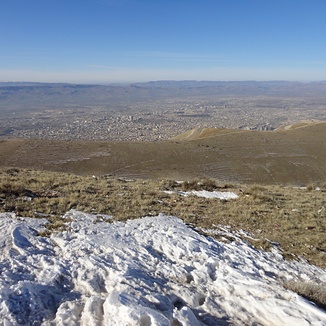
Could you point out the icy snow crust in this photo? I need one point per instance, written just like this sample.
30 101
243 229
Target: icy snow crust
150 271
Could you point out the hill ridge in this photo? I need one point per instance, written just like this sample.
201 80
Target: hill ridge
202 132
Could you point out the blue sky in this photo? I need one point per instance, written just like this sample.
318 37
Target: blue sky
91 41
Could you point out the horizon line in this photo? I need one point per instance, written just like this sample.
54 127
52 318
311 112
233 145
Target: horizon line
164 80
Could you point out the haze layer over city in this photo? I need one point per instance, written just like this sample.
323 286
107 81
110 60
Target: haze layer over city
153 111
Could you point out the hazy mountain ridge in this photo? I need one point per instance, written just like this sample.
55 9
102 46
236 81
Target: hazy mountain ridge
207 83
21 95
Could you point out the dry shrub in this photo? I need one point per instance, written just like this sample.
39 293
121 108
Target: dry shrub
323 186
259 193
190 185
311 187
12 171
208 184
12 190
169 184
55 224
228 186
309 290
205 184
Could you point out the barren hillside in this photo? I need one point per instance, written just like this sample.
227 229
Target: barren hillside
294 156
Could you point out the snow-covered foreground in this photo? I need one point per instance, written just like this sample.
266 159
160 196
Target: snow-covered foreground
150 271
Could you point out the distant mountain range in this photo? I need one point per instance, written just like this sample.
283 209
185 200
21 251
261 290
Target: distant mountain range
195 83
171 83
30 95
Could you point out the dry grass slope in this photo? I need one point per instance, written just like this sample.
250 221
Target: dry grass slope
295 156
293 217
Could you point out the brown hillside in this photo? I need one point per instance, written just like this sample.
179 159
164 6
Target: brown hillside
294 156
201 133
301 124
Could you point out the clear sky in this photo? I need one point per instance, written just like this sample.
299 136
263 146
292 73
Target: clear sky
90 41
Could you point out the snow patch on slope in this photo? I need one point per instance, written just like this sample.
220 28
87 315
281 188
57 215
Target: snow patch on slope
150 271
225 195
